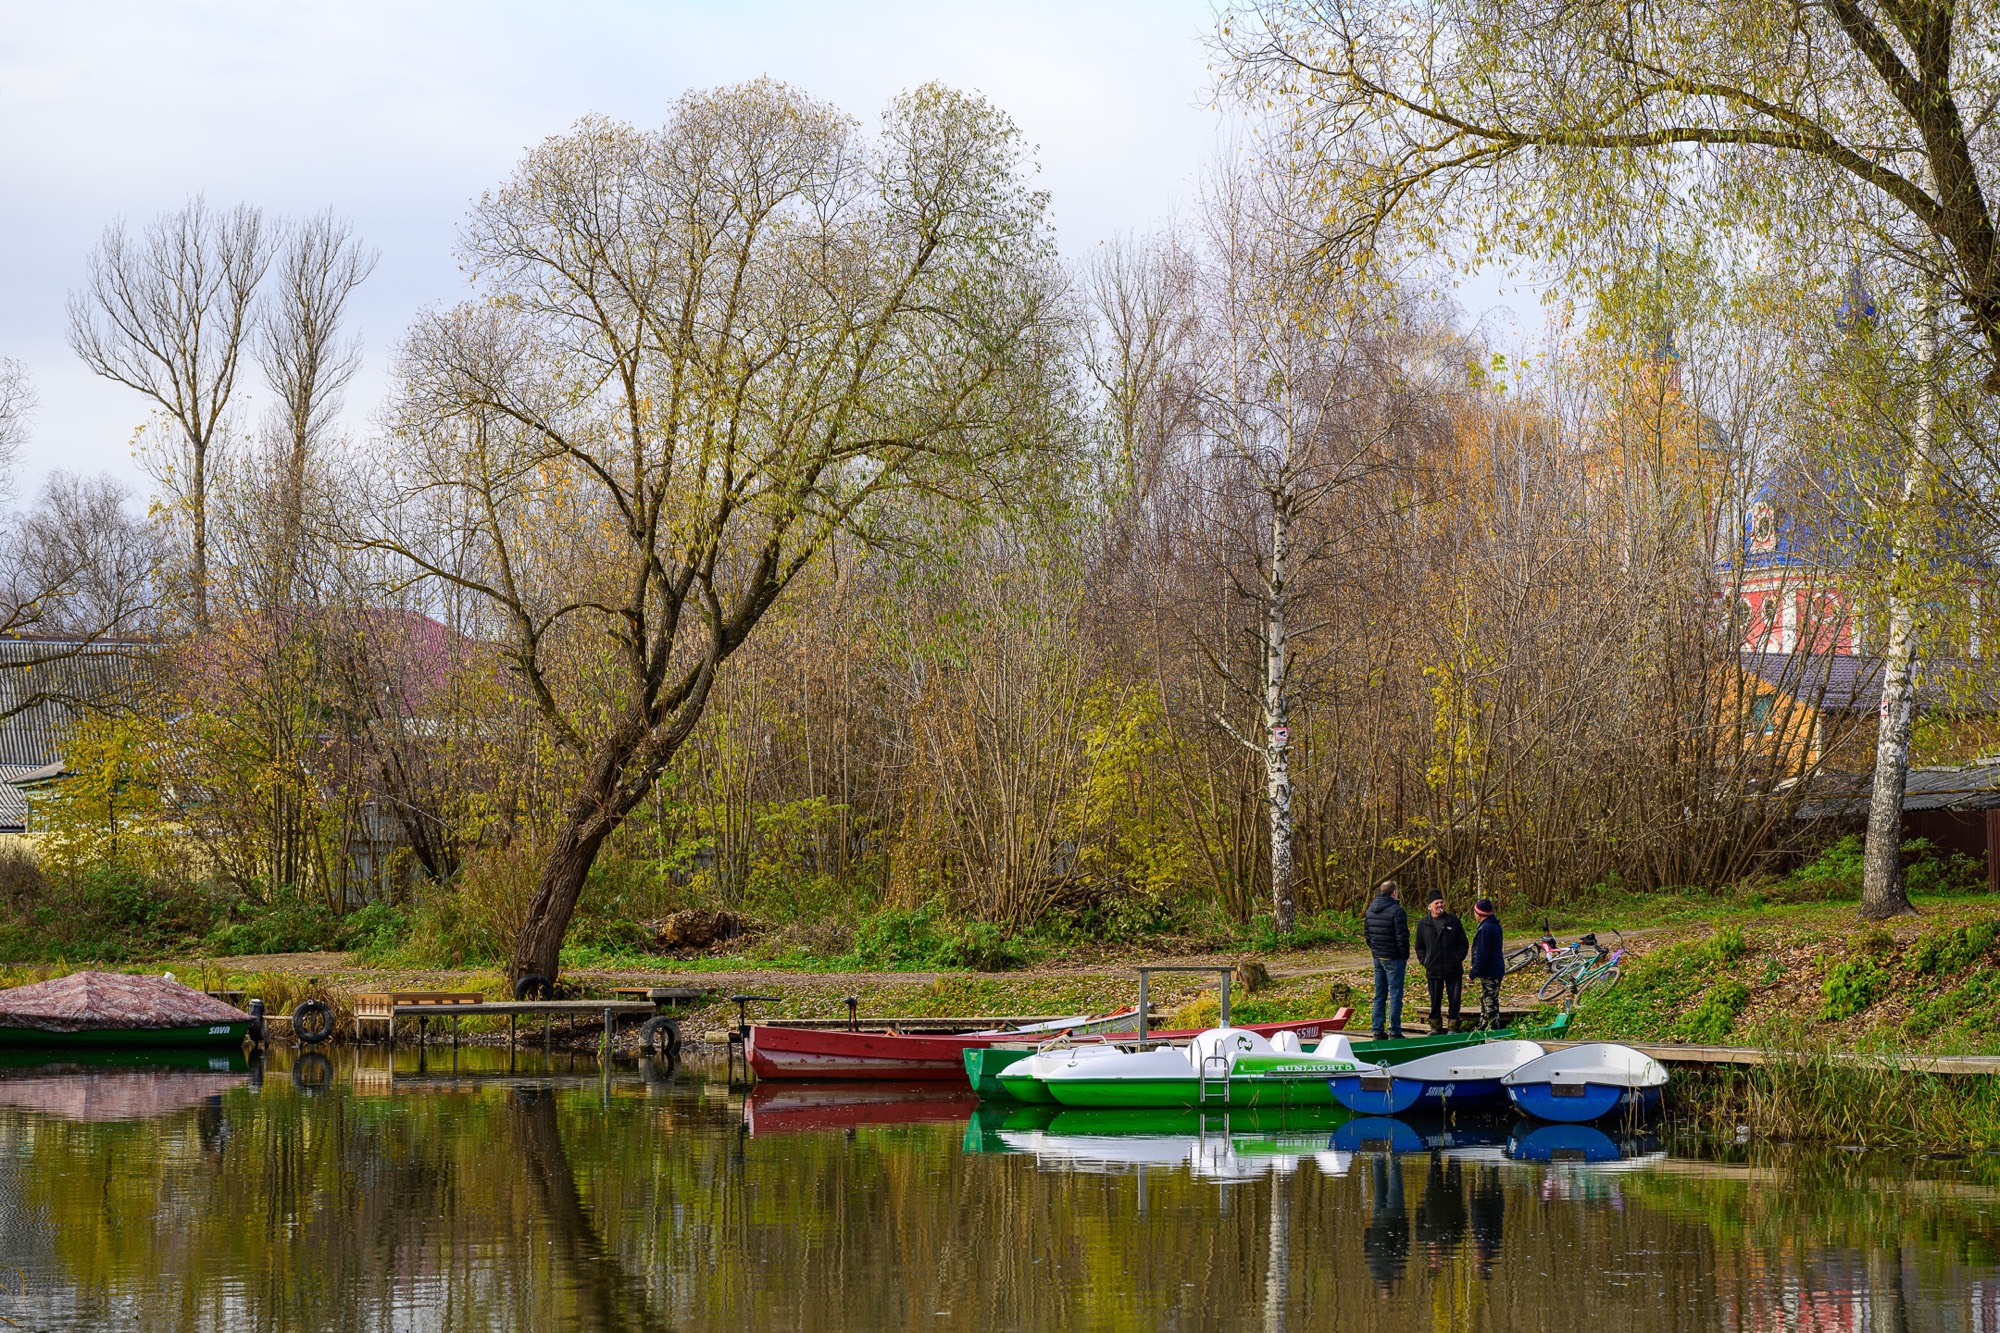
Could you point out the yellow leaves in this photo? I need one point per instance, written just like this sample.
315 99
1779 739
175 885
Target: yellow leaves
1458 750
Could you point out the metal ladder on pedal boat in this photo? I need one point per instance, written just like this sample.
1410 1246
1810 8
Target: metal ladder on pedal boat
1201 1061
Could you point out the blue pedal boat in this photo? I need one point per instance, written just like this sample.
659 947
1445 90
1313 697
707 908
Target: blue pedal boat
1587 1082
1448 1080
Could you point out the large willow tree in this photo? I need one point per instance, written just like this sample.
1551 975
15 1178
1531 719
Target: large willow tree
1560 128
698 353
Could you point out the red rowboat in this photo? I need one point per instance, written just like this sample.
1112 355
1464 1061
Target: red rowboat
805 1053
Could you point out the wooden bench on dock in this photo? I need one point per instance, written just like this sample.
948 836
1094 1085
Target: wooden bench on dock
385 1007
666 997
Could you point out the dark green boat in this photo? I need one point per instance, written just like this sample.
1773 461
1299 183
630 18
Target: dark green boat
982 1069
203 1034
116 1011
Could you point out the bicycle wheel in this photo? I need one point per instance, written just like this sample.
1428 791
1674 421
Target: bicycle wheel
1599 983
1521 957
1559 984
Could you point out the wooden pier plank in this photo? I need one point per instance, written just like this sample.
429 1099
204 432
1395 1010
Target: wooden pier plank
502 1008
1673 1053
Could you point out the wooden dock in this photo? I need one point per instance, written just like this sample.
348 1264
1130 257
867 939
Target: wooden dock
1674 1053
390 1008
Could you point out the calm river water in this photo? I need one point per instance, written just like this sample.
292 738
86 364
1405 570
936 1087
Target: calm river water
460 1195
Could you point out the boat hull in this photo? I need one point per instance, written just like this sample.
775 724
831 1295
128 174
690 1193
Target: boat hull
200 1034
985 1066
1577 1103
1274 1082
781 1053
803 1053
1373 1094
1290 1082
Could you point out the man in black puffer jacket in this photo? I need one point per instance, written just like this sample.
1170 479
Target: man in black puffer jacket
1441 946
1386 927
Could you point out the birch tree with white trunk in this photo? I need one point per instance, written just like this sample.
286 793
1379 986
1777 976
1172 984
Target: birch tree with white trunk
1293 398
1882 891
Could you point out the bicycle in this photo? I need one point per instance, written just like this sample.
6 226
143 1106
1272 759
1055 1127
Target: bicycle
1547 951
1598 974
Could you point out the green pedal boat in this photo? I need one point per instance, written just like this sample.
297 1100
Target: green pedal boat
1237 1069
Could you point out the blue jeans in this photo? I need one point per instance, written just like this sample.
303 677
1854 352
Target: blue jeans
1389 994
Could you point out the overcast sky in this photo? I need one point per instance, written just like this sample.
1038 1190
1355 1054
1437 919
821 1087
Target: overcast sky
399 114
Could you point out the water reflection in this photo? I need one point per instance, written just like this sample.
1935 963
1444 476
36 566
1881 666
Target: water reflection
469 1192
113 1086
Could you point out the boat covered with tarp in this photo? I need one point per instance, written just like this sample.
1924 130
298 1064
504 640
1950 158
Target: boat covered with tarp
112 1009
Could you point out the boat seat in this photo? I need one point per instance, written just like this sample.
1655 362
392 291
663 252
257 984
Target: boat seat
1335 1047
1287 1043
1229 1043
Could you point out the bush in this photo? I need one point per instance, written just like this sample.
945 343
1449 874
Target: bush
1109 915
1942 952
288 926
1926 872
1850 987
1715 1017
374 931
924 937
1834 873
1725 946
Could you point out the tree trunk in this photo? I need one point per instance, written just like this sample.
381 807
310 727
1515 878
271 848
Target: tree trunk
1882 893
198 497
1277 724
538 949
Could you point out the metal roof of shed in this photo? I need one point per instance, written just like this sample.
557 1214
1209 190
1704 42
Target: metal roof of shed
1961 787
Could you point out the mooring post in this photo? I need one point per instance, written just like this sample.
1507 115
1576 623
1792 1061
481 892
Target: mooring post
607 1038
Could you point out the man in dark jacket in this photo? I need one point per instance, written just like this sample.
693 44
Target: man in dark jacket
1489 962
1441 949
1386 927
